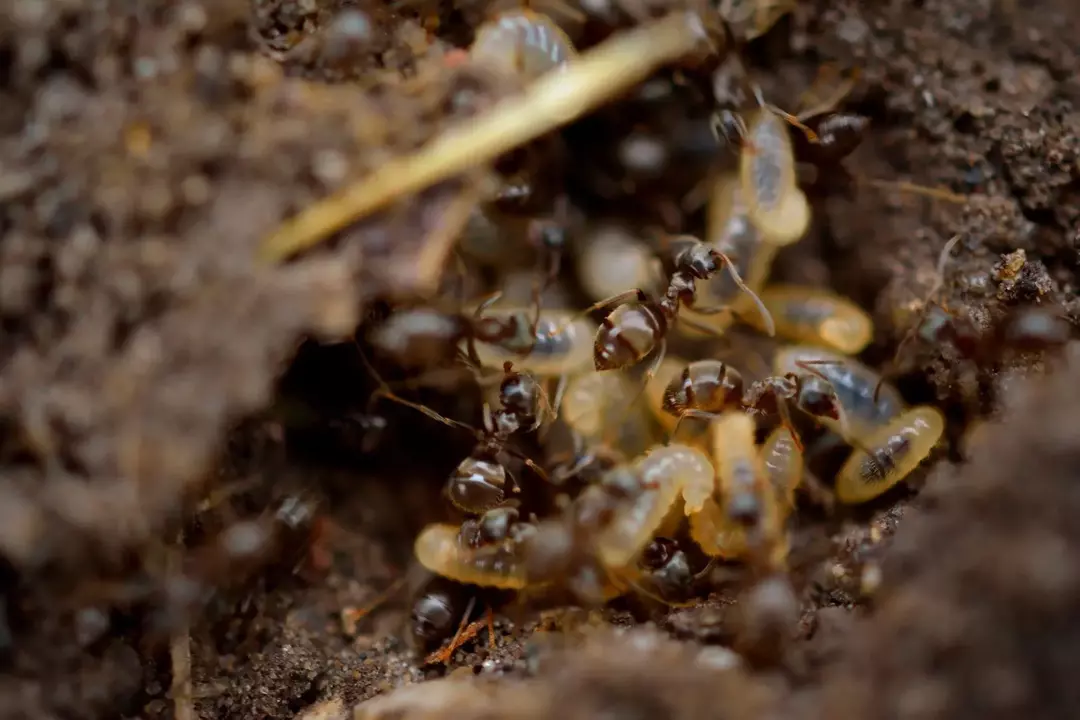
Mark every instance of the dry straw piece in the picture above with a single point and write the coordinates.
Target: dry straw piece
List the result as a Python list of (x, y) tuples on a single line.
[(551, 101)]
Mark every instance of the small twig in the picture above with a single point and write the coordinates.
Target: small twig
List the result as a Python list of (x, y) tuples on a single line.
[(550, 102)]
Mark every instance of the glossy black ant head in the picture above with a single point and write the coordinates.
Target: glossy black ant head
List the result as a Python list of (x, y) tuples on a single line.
[(695, 257), (817, 397), (658, 553), (519, 394)]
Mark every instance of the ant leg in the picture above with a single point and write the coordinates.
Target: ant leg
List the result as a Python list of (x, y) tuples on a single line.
[(770, 326), (811, 136), (443, 654), (700, 326), (385, 391), (529, 463), (491, 628), (785, 420), (352, 615)]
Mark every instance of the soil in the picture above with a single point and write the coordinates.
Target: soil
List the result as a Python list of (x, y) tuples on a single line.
[(185, 450)]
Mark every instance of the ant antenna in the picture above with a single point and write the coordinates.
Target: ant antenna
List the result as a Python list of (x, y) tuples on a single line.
[(787, 117), (939, 281), (766, 317), (385, 391)]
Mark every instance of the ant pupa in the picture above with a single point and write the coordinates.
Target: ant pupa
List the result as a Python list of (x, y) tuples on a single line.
[(611, 261), (729, 230), (828, 375), (740, 472), (593, 407), (440, 549), (889, 454), (783, 459), (777, 207), (551, 101), (489, 336), (816, 316), (522, 42), (560, 344)]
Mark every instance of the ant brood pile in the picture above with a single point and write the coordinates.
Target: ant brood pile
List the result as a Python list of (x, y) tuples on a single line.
[(644, 489)]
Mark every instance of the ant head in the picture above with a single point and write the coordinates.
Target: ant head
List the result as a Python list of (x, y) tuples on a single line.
[(817, 397), (519, 394), (658, 553), (695, 257)]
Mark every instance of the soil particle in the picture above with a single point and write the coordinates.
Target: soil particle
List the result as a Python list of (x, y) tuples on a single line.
[(986, 629), (636, 673)]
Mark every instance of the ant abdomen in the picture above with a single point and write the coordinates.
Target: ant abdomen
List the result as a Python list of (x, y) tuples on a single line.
[(704, 385), (888, 455), (626, 336), (439, 549), (838, 134), (777, 207), (816, 316), (437, 611), (783, 465), (476, 485)]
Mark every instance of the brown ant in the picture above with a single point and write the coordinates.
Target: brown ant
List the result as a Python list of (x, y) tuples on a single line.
[(479, 481), (706, 388), (640, 324)]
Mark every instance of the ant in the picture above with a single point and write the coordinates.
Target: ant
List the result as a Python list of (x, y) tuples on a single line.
[(706, 388), (479, 481), (640, 324)]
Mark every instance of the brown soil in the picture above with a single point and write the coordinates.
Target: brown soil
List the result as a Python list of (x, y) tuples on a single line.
[(156, 381)]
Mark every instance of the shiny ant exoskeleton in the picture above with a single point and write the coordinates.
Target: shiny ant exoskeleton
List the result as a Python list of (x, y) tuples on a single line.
[(634, 329), (479, 482)]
